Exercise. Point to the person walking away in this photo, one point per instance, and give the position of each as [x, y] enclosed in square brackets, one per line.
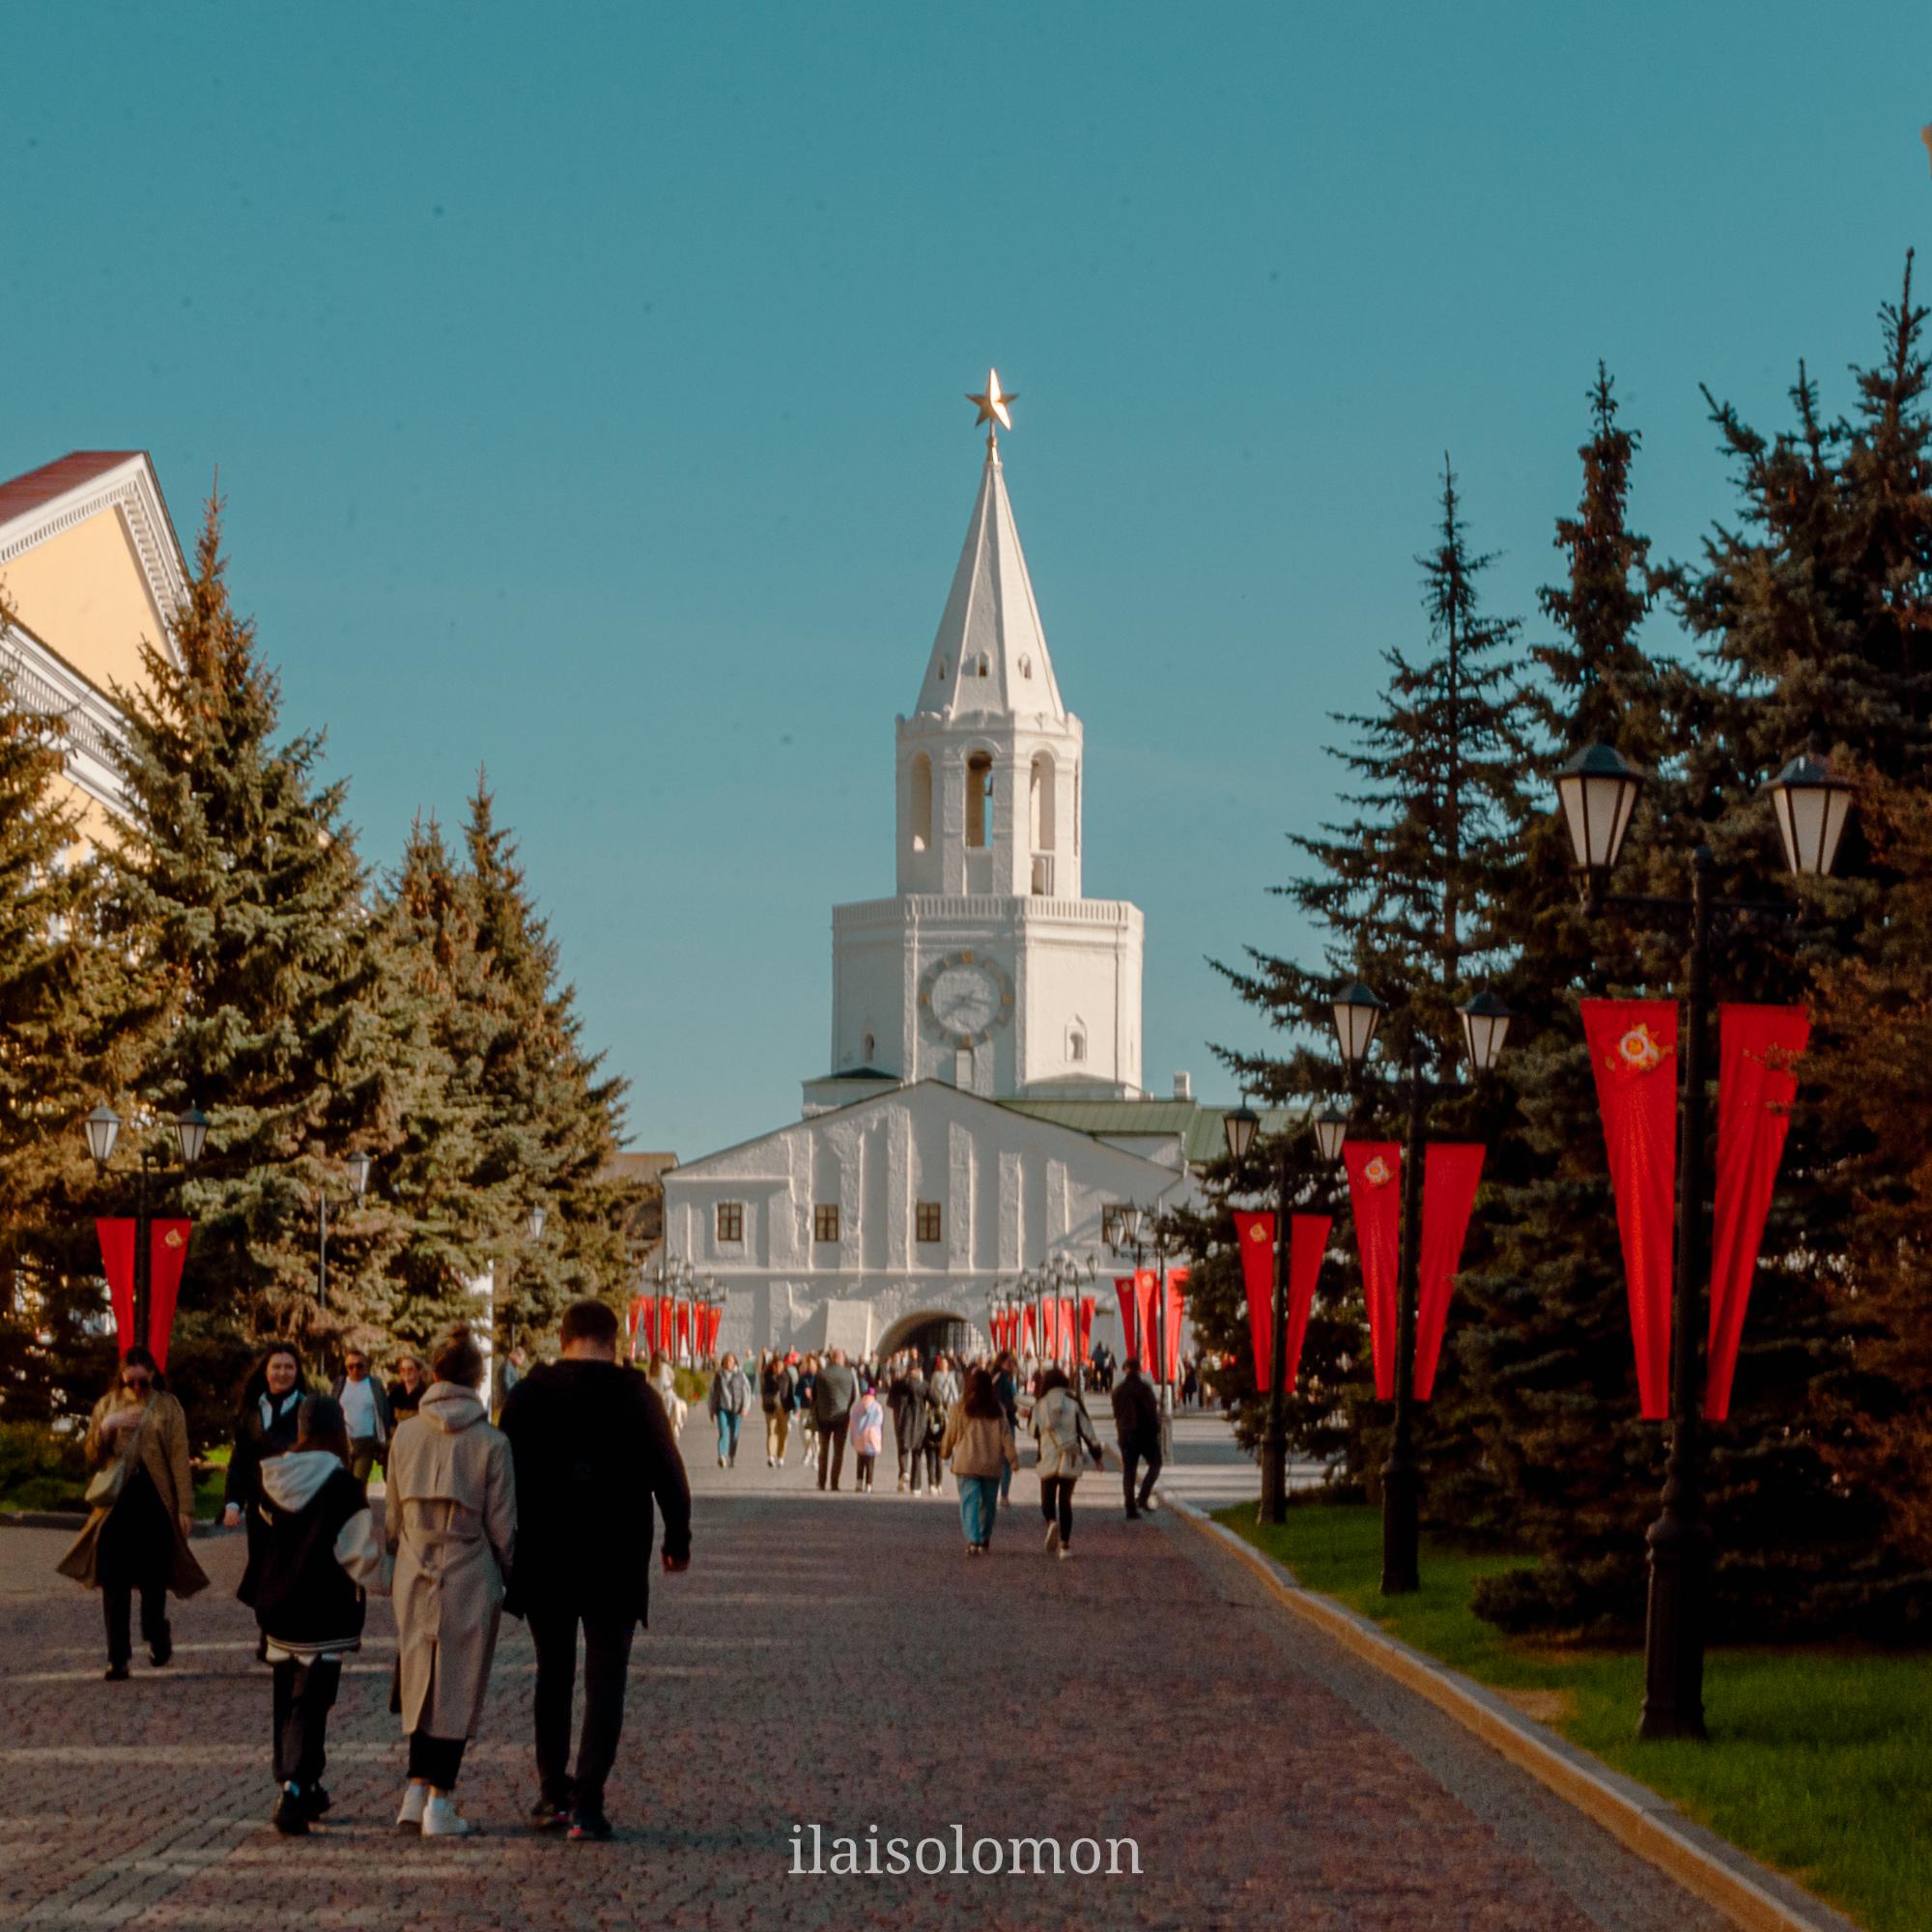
[450, 1522]
[1007, 1386]
[365, 1413]
[937, 1413]
[775, 1398]
[407, 1390]
[980, 1445]
[908, 1400]
[867, 1430]
[730, 1396]
[314, 1562]
[1137, 1430]
[832, 1397]
[1061, 1427]
[141, 1501]
[595, 1460]
[804, 1394]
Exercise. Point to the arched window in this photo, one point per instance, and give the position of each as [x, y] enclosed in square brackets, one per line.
[871, 1050]
[1043, 812]
[1076, 1042]
[985, 665]
[979, 799]
[941, 671]
[922, 802]
[1026, 667]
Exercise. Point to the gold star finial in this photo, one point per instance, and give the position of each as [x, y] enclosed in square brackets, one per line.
[992, 406]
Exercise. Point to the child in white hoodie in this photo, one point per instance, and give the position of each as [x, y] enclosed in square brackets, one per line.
[314, 1555]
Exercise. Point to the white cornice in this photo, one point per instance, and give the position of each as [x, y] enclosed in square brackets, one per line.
[93, 722]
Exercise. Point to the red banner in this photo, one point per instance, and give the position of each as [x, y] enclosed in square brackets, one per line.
[1177, 1283]
[683, 1328]
[167, 1255]
[1027, 1326]
[1634, 1056]
[1307, 1243]
[117, 1260]
[1145, 1283]
[1130, 1327]
[1756, 1085]
[1254, 1235]
[1375, 1167]
[1085, 1327]
[1450, 1171]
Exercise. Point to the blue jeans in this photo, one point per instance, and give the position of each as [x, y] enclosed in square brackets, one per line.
[979, 1505]
[728, 1433]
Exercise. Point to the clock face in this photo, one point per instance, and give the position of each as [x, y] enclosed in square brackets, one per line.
[964, 998]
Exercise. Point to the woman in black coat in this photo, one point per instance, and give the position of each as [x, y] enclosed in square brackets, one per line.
[264, 1427]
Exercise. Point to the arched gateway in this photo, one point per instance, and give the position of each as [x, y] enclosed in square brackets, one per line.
[933, 1331]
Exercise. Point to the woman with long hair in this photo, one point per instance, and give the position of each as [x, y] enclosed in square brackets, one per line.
[1062, 1431]
[143, 1509]
[450, 1520]
[265, 1425]
[980, 1445]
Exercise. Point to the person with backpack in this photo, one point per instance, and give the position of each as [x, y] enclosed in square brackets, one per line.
[729, 1399]
[595, 1463]
[775, 1393]
[309, 1571]
[1061, 1427]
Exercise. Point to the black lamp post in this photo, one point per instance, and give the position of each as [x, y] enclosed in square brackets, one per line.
[1485, 1021]
[103, 1132]
[1597, 793]
[357, 1165]
[1241, 1125]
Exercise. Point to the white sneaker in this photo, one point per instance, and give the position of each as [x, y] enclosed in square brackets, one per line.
[1151, 1504]
[414, 1797]
[1064, 1552]
[440, 1818]
[1053, 1539]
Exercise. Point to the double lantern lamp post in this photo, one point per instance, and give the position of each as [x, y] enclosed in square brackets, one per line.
[1137, 1231]
[1597, 795]
[104, 1133]
[1330, 1126]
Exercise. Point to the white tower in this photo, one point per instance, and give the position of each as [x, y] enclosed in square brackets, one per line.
[989, 969]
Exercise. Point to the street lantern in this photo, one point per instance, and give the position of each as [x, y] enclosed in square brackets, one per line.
[1331, 1126]
[1485, 1024]
[1357, 1016]
[1133, 1224]
[1597, 791]
[1241, 1126]
[103, 1130]
[539, 1214]
[190, 1134]
[358, 1165]
[1812, 806]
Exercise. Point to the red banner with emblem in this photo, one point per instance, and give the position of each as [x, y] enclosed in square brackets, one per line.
[682, 1318]
[1758, 1047]
[1634, 1057]
[1450, 1171]
[1130, 1327]
[1254, 1235]
[1176, 1286]
[1146, 1283]
[1375, 1167]
[167, 1256]
[1307, 1243]
[117, 1260]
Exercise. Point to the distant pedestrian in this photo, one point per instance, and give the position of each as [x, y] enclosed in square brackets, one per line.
[980, 1445]
[937, 1413]
[142, 1509]
[365, 1413]
[1137, 1430]
[450, 1521]
[1066, 1437]
[662, 1378]
[594, 1460]
[407, 1390]
[775, 1398]
[946, 1388]
[306, 1579]
[804, 1393]
[1007, 1386]
[868, 1430]
[907, 1397]
[833, 1394]
[729, 1397]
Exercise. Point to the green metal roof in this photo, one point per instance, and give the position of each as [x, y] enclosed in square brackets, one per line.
[1203, 1137]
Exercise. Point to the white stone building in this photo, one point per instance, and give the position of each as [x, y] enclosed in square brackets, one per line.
[983, 1110]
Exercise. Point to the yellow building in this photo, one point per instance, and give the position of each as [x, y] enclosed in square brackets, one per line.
[91, 570]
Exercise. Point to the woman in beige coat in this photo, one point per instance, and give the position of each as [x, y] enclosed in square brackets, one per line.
[450, 1520]
[979, 1443]
[143, 1496]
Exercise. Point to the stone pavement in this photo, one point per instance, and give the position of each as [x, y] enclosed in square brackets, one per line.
[833, 1661]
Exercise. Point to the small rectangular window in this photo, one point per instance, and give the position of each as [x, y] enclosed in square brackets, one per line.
[730, 1220]
[825, 1221]
[926, 1223]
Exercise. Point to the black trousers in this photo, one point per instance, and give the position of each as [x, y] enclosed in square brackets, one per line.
[832, 1444]
[607, 1662]
[931, 1454]
[1132, 1453]
[305, 1695]
[1056, 1500]
[436, 1761]
[117, 1603]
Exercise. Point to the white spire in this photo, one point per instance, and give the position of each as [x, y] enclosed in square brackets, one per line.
[991, 621]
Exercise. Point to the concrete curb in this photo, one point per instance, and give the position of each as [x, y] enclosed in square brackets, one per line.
[76, 1521]
[1750, 1894]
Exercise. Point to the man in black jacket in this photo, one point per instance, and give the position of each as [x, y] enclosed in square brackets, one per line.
[1137, 1428]
[593, 1450]
[833, 1395]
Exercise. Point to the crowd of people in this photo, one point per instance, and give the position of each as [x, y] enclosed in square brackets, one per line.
[548, 1514]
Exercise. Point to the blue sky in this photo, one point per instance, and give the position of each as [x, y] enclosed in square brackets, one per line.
[586, 383]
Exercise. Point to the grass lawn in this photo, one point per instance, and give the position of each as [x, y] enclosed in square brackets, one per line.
[1817, 1758]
